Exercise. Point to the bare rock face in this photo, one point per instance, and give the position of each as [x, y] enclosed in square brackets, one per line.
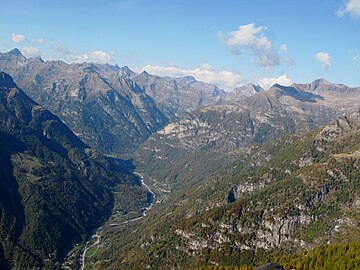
[240, 93]
[179, 96]
[335, 130]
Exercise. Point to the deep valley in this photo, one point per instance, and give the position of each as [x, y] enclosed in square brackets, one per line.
[105, 168]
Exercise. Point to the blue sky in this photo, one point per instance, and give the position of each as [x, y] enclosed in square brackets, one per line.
[228, 43]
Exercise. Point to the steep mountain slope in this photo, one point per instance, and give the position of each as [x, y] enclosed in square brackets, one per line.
[53, 188]
[192, 146]
[274, 199]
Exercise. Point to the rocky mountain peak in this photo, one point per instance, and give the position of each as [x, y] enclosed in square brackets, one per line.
[13, 56]
[321, 86]
[187, 79]
[250, 89]
[15, 52]
[242, 92]
[145, 74]
[36, 59]
[126, 71]
[319, 83]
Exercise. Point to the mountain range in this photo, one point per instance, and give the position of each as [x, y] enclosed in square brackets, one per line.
[233, 178]
[110, 108]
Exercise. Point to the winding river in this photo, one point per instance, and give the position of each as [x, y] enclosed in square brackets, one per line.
[98, 237]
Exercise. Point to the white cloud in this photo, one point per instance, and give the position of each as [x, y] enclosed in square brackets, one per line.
[352, 7]
[73, 56]
[284, 47]
[247, 35]
[266, 82]
[30, 51]
[17, 38]
[324, 59]
[206, 73]
[40, 40]
[252, 39]
[97, 57]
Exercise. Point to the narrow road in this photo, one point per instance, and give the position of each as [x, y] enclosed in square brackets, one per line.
[82, 257]
[97, 236]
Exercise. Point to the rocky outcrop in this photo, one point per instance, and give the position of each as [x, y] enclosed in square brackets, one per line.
[333, 131]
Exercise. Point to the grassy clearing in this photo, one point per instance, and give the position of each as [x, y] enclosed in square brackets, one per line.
[92, 251]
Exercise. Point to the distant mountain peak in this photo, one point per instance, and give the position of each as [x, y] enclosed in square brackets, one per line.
[111, 67]
[37, 58]
[276, 85]
[15, 52]
[6, 80]
[321, 85]
[125, 70]
[144, 73]
[188, 79]
[321, 81]
[257, 88]
[246, 90]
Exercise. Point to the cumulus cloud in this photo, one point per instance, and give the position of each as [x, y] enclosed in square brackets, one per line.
[352, 7]
[206, 73]
[325, 59]
[73, 56]
[17, 38]
[266, 82]
[252, 39]
[284, 47]
[247, 35]
[97, 57]
[30, 51]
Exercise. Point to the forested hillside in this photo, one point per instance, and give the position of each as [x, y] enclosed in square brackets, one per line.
[284, 197]
[54, 189]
